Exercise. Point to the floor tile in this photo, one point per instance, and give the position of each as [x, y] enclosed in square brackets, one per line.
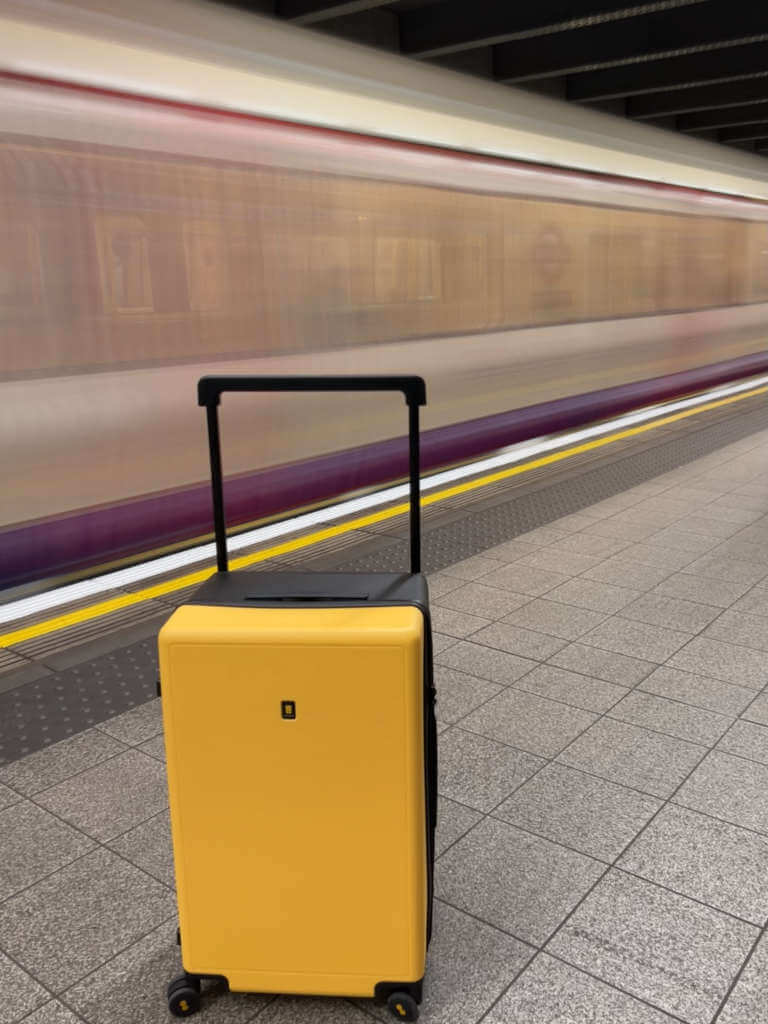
[621, 529]
[754, 602]
[459, 693]
[525, 643]
[728, 514]
[749, 999]
[487, 602]
[632, 756]
[34, 844]
[154, 747]
[8, 797]
[456, 624]
[440, 585]
[110, 798]
[744, 549]
[598, 597]
[307, 1010]
[722, 567]
[511, 550]
[561, 620]
[717, 593]
[701, 691]
[528, 722]
[485, 662]
[441, 643]
[48, 767]
[636, 639]
[572, 524]
[699, 522]
[518, 882]
[130, 989]
[21, 994]
[524, 579]
[718, 864]
[472, 568]
[729, 662]
[68, 924]
[543, 535]
[746, 739]
[469, 966]
[479, 772]
[453, 821]
[588, 544]
[757, 710]
[571, 688]
[672, 612]
[730, 788]
[678, 538]
[552, 992]
[590, 815]
[148, 846]
[740, 628]
[626, 572]
[650, 553]
[656, 945]
[560, 561]
[53, 1012]
[607, 665]
[671, 717]
[137, 725]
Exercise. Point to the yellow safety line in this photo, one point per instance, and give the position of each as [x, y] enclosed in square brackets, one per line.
[112, 604]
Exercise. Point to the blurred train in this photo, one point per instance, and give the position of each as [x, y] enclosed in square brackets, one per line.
[145, 241]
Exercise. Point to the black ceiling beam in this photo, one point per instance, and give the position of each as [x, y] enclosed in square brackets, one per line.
[671, 33]
[728, 117]
[309, 12]
[744, 133]
[703, 97]
[452, 25]
[708, 67]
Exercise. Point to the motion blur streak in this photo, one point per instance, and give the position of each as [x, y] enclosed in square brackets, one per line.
[145, 244]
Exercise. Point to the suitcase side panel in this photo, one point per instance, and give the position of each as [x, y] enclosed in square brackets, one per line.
[299, 842]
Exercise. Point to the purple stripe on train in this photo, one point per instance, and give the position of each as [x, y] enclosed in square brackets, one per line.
[81, 540]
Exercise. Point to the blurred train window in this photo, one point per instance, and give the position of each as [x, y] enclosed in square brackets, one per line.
[124, 259]
[407, 270]
[206, 256]
[20, 267]
[330, 267]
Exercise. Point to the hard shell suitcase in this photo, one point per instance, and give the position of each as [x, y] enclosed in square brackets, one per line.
[298, 712]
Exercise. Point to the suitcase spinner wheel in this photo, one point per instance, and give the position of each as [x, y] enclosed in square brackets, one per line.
[313, 674]
[184, 996]
[403, 1006]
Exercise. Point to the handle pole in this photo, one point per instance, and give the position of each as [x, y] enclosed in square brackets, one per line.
[209, 391]
[413, 460]
[217, 487]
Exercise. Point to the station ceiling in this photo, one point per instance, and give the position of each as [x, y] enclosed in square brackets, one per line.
[694, 66]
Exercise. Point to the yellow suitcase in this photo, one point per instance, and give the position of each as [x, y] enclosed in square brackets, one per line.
[298, 712]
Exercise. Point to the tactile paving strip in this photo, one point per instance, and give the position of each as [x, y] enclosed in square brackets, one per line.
[60, 705]
[41, 712]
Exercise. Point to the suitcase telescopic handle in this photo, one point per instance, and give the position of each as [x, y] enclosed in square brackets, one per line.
[210, 389]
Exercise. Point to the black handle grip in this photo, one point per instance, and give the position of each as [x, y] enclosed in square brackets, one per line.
[210, 389]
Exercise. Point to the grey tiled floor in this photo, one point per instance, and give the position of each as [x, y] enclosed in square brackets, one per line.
[603, 820]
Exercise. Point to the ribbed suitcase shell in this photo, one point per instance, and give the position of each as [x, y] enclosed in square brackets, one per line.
[299, 725]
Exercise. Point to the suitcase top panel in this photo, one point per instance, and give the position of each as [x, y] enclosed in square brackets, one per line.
[305, 589]
[379, 626]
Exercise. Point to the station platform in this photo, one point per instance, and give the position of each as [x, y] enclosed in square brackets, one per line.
[601, 639]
